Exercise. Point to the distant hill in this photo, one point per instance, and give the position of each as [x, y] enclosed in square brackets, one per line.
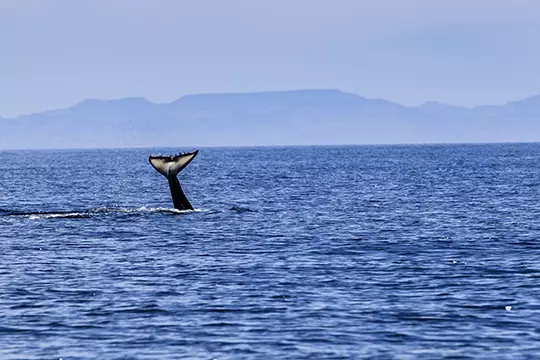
[268, 118]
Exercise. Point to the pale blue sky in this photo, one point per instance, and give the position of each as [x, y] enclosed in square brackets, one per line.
[54, 53]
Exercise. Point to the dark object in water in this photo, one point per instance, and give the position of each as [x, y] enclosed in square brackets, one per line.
[170, 166]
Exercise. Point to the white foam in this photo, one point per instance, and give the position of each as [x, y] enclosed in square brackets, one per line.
[122, 210]
[57, 215]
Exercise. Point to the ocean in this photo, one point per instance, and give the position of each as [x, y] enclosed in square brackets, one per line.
[364, 252]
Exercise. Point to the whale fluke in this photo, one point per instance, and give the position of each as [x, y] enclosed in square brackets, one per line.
[170, 166]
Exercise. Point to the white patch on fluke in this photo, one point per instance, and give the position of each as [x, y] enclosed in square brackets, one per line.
[171, 165]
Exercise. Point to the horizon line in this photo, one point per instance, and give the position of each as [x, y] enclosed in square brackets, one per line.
[275, 146]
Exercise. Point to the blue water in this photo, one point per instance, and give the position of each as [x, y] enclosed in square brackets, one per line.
[409, 252]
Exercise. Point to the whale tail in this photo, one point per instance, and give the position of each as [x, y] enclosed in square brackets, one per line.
[170, 166]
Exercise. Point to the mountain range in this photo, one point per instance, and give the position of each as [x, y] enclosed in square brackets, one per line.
[300, 117]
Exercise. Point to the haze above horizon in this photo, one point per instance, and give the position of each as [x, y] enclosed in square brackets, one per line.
[57, 52]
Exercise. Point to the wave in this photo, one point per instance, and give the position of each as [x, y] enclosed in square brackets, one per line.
[241, 209]
[94, 212]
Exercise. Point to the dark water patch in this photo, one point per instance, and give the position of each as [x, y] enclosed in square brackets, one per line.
[10, 329]
[148, 309]
[24, 306]
[241, 209]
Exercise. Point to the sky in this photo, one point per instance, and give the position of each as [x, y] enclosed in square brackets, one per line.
[55, 53]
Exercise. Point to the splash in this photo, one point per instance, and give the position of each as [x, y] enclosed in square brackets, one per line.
[95, 212]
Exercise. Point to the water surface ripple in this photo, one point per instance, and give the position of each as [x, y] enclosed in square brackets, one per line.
[409, 252]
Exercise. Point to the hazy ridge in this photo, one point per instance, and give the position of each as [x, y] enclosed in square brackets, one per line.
[268, 118]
